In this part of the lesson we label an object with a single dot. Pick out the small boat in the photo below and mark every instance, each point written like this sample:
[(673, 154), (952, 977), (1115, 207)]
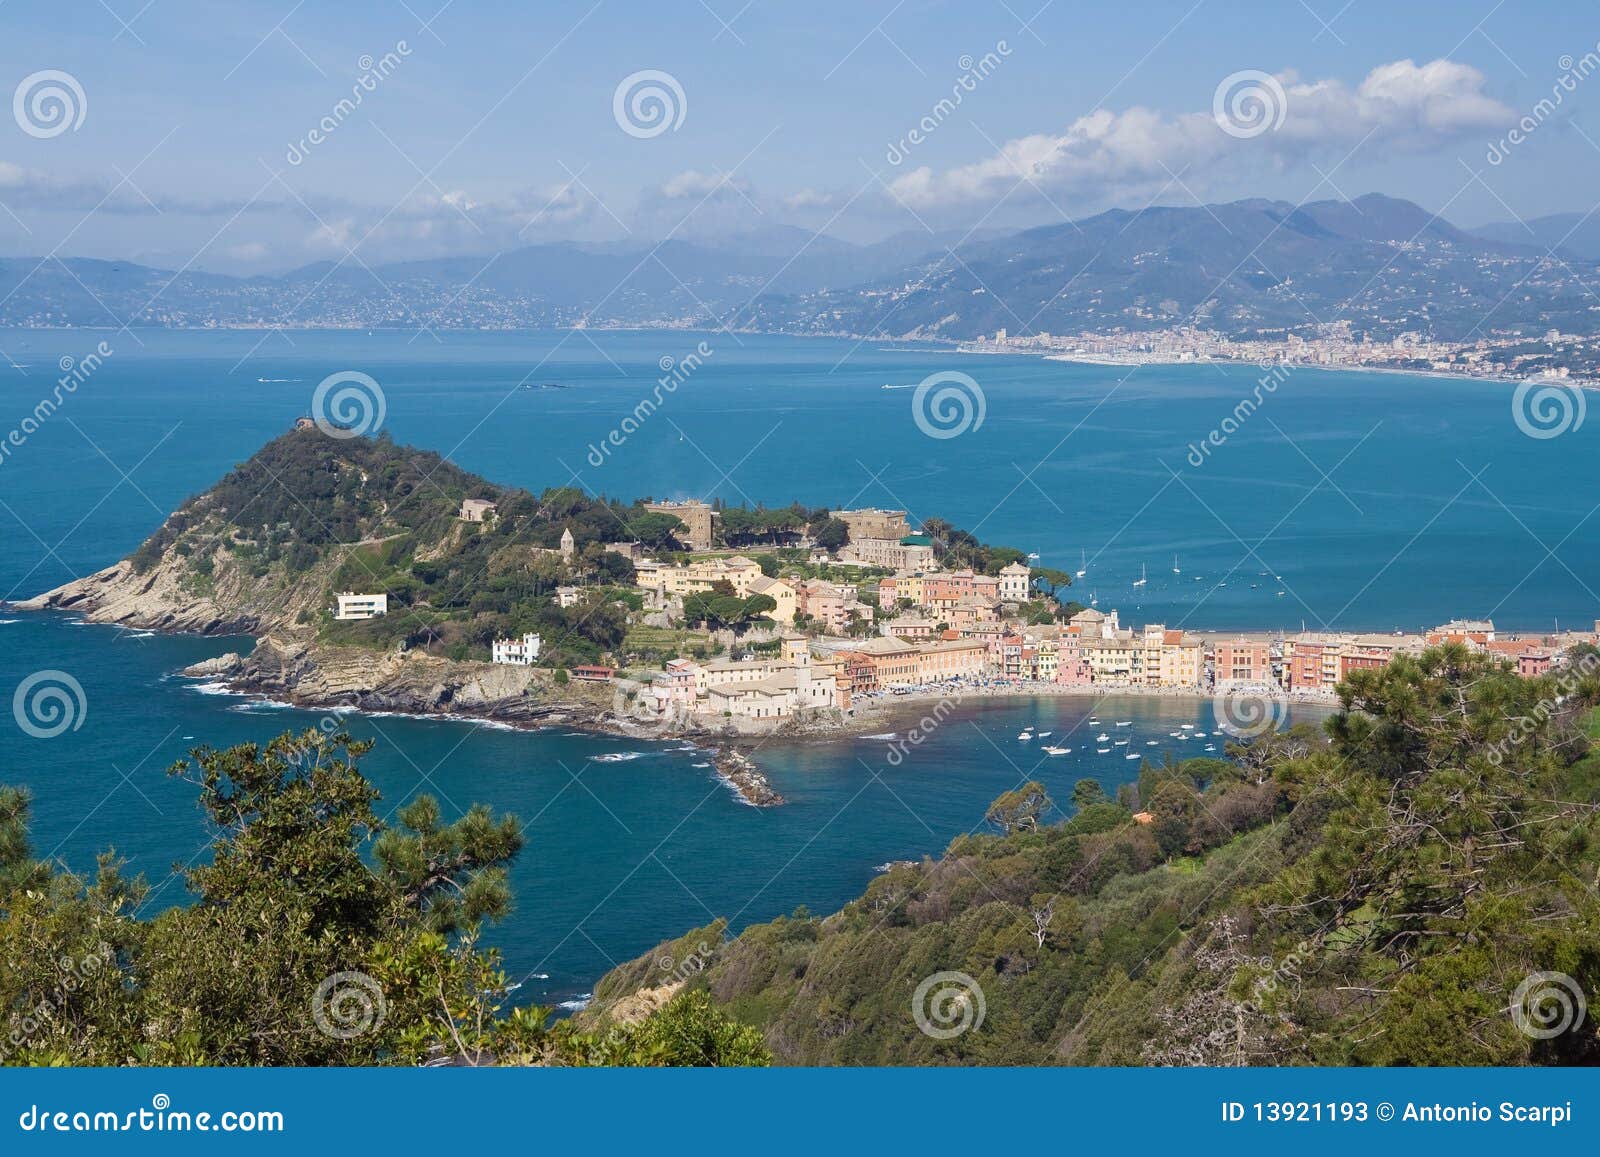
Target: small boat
[(1102, 750), (1083, 563), (1151, 742), (1033, 556), (1130, 757), (1200, 734), (1124, 722), (1094, 723), (1175, 569), (1025, 735), (1143, 577), (1102, 737), (1187, 726), (1094, 599), (1048, 750), (1042, 734), (1120, 743), (1211, 747)]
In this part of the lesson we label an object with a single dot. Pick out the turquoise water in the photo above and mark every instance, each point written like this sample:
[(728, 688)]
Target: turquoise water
[(623, 854)]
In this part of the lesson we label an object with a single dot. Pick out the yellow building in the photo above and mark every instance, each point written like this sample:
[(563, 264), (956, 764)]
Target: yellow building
[(1183, 660)]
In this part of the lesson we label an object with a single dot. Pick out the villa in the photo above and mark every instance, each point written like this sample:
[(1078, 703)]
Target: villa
[(354, 606), (516, 652)]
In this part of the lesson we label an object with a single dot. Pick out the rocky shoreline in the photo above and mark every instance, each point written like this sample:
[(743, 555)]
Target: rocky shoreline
[(237, 674), (739, 771)]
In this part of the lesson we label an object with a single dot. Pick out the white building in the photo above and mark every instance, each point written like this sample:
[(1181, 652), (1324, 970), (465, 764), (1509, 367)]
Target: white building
[(517, 652), (567, 596), (1015, 580), (354, 606)]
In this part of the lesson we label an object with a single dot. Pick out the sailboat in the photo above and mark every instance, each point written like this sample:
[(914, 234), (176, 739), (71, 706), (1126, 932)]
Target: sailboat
[(1175, 569), (1142, 579), (1083, 563), (1094, 599)]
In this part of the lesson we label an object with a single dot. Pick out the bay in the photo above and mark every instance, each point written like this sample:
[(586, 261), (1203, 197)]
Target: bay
[(1382, 501)]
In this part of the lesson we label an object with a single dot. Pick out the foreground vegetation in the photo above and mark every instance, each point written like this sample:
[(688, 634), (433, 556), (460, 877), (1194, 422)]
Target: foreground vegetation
[(1372, 895), (317, 935)]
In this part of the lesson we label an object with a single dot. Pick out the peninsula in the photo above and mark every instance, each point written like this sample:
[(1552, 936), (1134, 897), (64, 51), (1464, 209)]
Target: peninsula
[(383, 578)]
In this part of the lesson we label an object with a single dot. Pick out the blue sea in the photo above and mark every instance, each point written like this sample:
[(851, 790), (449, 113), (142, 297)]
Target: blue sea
[(1370, 501)]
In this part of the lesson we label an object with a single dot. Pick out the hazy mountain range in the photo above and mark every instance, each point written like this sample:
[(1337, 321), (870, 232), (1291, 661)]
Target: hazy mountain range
[(1386, 265)]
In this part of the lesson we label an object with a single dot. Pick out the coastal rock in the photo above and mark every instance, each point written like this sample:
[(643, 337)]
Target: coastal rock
[(741, 773), (225, 664), (315, 675), (164, 598)]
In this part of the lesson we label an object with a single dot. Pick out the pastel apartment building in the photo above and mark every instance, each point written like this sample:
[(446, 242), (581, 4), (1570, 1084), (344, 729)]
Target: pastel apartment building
[(1319, 662), (1183, 660), (898, 663), (830, 605), (1242, 661), (1016, 582), (894, 588)]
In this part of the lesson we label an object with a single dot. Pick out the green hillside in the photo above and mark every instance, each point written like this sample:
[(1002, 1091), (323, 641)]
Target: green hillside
[(1372, 895)]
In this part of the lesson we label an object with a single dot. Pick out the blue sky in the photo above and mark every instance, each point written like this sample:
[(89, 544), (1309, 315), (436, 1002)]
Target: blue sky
[(495, 125)]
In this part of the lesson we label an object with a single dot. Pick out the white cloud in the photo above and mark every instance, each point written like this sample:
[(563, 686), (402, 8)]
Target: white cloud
[(810, 199), (1108, 153), (693, 185)]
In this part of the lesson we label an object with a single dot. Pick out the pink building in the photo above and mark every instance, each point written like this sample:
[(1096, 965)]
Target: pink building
[(1243, 661)]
